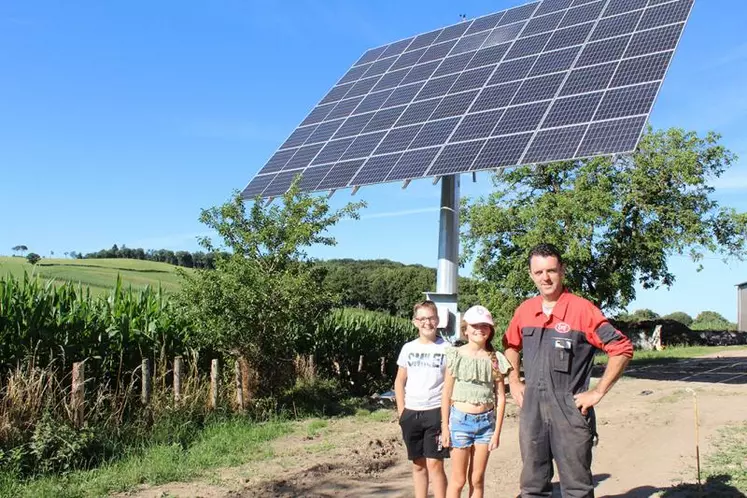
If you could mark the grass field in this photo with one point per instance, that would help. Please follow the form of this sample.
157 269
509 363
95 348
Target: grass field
99 275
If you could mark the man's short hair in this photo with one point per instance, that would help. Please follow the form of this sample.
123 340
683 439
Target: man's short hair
424 304
545 251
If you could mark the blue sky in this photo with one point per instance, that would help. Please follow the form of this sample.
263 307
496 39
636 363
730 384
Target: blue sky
120 120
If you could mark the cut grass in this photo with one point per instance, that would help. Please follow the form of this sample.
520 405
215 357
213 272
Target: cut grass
670 354
224 444
99 275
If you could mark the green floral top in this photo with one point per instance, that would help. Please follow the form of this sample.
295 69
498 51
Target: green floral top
474 378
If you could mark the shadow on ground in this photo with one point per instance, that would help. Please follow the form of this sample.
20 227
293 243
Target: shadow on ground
711 370
717 486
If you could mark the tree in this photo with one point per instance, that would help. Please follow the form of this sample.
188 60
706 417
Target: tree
615 220
266 294
20 248
643 314
680 316
710 320
33 258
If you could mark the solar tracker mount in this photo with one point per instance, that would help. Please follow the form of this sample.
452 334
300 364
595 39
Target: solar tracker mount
546 81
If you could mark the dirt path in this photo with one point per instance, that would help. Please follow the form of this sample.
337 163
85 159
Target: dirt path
647 444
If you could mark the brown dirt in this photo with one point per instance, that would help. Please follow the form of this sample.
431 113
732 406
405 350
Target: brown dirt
647 445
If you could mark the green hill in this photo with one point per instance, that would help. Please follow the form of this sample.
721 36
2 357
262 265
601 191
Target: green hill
98 274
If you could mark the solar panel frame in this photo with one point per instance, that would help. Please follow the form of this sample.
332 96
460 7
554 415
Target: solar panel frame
443 67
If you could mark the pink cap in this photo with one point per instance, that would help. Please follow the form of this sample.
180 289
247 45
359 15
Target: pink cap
478 314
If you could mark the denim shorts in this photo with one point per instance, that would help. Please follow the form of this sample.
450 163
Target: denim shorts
467 429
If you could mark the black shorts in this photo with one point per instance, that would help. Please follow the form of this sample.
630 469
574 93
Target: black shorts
421 431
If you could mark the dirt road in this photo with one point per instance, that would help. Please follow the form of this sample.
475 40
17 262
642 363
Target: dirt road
646 427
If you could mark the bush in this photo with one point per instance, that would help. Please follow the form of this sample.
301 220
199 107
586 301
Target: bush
679 316
33 258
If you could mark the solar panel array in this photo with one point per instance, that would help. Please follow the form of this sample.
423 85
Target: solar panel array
545 81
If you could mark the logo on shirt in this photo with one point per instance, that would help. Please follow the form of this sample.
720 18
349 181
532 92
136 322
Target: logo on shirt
429 360
563 328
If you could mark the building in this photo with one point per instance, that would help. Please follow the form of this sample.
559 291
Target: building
742 307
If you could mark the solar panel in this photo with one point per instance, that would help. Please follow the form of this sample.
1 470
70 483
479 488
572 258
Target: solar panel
549 80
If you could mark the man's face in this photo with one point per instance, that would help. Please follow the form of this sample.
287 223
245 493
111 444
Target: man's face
547 274
426 320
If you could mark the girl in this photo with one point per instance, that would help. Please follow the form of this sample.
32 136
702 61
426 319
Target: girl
473 403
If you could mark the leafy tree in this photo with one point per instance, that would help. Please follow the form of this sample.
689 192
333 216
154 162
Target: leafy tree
266 294
680 316
615 219
710 320
19 248
33 258
643 314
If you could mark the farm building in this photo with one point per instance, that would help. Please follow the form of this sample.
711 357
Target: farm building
742 307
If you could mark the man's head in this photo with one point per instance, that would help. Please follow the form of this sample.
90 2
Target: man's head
425 318
547 270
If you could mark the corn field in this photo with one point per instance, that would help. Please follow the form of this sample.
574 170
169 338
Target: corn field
64 323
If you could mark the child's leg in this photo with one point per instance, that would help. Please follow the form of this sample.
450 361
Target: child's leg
460 458
477 477
420 477
437 477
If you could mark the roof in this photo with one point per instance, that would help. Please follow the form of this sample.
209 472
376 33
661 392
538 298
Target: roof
743 284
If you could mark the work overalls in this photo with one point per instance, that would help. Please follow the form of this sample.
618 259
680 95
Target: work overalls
557 365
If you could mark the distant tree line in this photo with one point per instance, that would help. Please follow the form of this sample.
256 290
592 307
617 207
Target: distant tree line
706 320
185 259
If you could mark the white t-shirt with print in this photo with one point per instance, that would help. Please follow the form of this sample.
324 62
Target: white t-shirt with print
425 364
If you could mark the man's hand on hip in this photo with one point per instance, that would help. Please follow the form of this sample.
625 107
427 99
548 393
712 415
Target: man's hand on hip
517 391
587 400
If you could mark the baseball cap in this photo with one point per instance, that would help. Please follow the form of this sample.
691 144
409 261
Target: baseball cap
478 314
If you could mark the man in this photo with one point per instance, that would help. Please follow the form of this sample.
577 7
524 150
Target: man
559 332
418 388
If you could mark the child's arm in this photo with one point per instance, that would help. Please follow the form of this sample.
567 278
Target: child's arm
446 408
399 389
500 410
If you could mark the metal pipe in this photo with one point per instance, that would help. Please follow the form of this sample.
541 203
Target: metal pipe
448 236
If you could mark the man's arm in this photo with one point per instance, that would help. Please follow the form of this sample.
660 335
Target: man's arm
514 379
399 389
615 368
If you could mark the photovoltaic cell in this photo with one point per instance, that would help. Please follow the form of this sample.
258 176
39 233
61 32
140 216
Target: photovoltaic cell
583 13
555 144
572 110
454 105
549 80
501 151
398 139
434 133
666 14
340 174
494 97
552 6
607 137
456 158
654 40
484 23
478 125
376 169
413 164
627 101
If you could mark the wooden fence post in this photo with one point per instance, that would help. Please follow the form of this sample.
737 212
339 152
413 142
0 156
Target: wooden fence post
239 385
178 372
214 384
146 382
77 401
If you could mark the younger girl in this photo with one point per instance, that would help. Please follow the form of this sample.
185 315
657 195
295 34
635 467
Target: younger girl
473 403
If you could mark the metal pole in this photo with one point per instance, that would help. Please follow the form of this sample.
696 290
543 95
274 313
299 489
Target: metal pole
448 236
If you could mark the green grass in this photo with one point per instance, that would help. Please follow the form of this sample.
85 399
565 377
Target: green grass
100 275
670 354
315 426
222 445
724 472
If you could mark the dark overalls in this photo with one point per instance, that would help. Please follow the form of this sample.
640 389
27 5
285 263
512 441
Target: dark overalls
558 357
